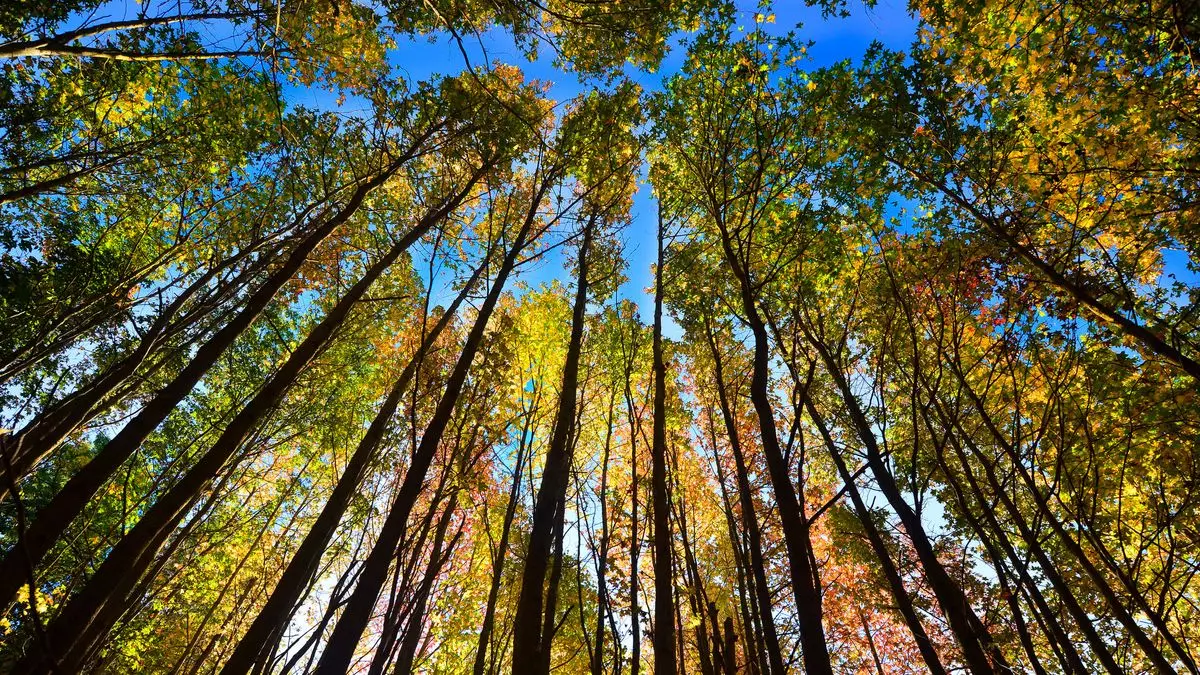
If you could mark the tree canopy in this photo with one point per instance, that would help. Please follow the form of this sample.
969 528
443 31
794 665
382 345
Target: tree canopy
599 337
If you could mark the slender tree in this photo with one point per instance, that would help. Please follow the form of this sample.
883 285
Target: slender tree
529 643
340 649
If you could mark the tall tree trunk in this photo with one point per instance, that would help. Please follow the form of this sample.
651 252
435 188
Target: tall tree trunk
72 499
751 629
273 616
549 616
602 604
416 619
131 436
882 555
635 544
664 583
801 561
528 640
1095 575
1097 643
47 431
730 654
973 637
402 587
339 650
1001 229
1066 652
89 616
697 597
489 616
749 517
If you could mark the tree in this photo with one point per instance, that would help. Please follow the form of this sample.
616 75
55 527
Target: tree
311 363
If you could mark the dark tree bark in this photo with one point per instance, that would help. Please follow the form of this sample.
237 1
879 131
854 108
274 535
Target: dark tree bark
762 596
882 555
982 654
91 613
489 616
804 575
1049 570
994 536
602 604
1098 579
402 588
70 501
635 544
274 615
416 619
1081 290
45 432
730 654
697 596
339 650
664 586
549 616
529 642
752 632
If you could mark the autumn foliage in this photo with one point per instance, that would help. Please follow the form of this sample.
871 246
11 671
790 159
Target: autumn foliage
727 363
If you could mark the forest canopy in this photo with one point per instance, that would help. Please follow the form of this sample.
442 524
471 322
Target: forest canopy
643 336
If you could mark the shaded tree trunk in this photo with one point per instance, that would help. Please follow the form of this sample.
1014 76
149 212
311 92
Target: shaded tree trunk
89 616
635 544
882 555
801 561
489 616
973 637
602 603
274 615
339 650
416 620
71 500
54 424
745 497
664 586
1099 581
529 640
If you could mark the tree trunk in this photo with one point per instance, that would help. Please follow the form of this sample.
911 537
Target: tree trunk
1095 641
489 616
339 650
72 499
635 544
58 421
801 561
274 615
549 616
882 555
165 401
89 616
749 517
528 640
602 606
664 585
1119 610
416 619
1068 655
976 643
